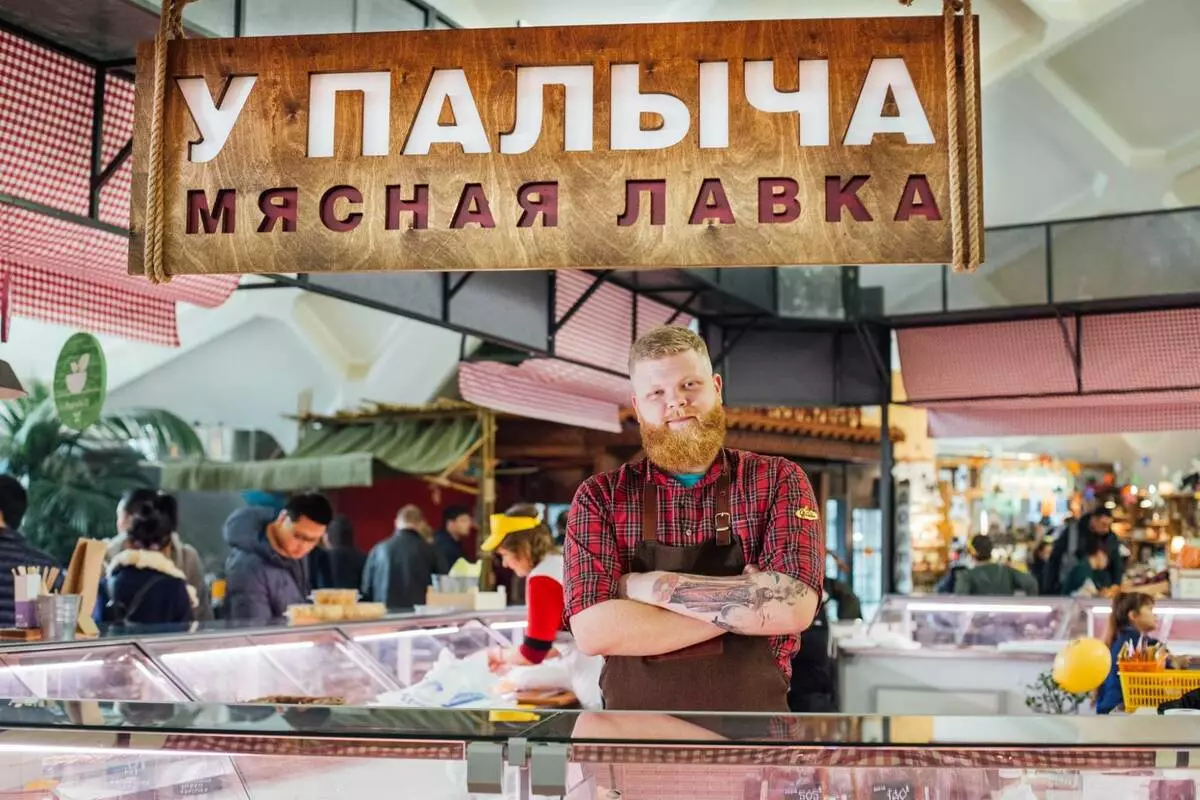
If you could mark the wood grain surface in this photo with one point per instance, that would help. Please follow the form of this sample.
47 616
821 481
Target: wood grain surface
267 150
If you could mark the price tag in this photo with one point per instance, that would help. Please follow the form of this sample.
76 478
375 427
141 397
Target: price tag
893 791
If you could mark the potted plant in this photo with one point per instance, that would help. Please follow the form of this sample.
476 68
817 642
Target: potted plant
1045 696
76 478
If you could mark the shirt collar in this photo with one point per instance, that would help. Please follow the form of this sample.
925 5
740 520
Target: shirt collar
657 475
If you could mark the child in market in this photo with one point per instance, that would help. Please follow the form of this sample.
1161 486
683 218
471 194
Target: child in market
1131 622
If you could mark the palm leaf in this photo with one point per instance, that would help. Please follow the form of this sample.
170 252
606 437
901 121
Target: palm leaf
169 435
75 478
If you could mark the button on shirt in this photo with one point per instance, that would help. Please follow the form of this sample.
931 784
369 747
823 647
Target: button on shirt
774 517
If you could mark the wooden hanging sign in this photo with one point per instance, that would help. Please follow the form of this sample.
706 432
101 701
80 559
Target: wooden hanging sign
700 144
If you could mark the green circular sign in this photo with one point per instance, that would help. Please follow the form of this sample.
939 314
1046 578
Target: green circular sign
80 381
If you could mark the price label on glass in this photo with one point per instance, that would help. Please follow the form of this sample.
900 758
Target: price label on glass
893 791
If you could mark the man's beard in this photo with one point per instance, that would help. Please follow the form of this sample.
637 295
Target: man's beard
689 449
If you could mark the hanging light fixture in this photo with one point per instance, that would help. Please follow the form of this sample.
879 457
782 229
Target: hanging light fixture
10 385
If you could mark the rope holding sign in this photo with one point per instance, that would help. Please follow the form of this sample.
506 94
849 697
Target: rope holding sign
170 27
966 245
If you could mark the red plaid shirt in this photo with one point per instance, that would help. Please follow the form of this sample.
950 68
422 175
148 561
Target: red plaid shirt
605 526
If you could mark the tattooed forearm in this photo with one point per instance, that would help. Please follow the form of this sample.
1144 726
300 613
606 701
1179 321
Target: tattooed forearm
741 604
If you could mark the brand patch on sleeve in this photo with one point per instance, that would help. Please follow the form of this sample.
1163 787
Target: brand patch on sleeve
809 514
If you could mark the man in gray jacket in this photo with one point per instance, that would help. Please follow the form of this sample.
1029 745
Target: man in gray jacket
267 568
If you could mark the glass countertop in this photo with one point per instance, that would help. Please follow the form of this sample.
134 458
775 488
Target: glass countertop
346 722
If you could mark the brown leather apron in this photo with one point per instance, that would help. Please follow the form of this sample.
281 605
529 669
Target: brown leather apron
728 673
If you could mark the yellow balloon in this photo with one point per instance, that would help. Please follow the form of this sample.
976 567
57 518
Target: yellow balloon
1082 665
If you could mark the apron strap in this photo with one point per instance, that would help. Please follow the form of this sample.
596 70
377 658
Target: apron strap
649 508
722 520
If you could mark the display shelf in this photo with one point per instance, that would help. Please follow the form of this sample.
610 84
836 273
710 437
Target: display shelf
357 662
206 750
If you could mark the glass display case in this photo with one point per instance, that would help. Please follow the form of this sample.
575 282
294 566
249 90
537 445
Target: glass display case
181 750
975 655
950 621
408 654
356 662
115 672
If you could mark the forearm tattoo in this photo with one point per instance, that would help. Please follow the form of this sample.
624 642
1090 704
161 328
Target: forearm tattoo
732 601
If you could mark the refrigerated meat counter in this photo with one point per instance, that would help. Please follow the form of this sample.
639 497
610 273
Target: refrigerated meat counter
358 662
974 655
99 750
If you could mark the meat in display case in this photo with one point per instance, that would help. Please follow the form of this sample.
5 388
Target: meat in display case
91 750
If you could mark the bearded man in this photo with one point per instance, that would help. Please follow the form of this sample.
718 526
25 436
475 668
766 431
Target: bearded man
693 571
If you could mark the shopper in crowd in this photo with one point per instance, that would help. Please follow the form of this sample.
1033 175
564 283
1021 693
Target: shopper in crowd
145 586
560 527
667 556
400 568
990 578
346 561
457 523
1130 623
185 557
1071 545
15 551
527 548
959 564
268 568
1090 576
1039 562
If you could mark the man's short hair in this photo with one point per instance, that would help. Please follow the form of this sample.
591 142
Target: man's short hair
13 501
410 517
454 512
1092 547
312 505
663 341
981 546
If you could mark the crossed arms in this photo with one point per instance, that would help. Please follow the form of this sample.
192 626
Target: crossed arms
654 613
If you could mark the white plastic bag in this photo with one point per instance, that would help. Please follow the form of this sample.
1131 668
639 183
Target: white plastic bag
452 683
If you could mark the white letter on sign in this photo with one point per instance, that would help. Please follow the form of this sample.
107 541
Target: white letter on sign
810 100
628 105
214 122
868 120
467 130
377 113
577 111
714 104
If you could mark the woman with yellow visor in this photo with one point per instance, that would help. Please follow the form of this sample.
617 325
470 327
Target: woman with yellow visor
527 548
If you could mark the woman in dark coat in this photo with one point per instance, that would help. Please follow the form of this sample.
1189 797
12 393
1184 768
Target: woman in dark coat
145 587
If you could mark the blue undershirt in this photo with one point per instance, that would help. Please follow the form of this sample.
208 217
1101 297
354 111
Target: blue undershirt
689 479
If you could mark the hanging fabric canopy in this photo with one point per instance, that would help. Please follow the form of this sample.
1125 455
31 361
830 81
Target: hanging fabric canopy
336 456
60 264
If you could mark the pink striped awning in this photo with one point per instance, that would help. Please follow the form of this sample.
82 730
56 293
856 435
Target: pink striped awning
1137 372
59 270
569 392
600 332
519 390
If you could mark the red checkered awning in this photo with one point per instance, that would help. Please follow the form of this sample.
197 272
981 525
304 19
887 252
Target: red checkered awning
1137 372
60 270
